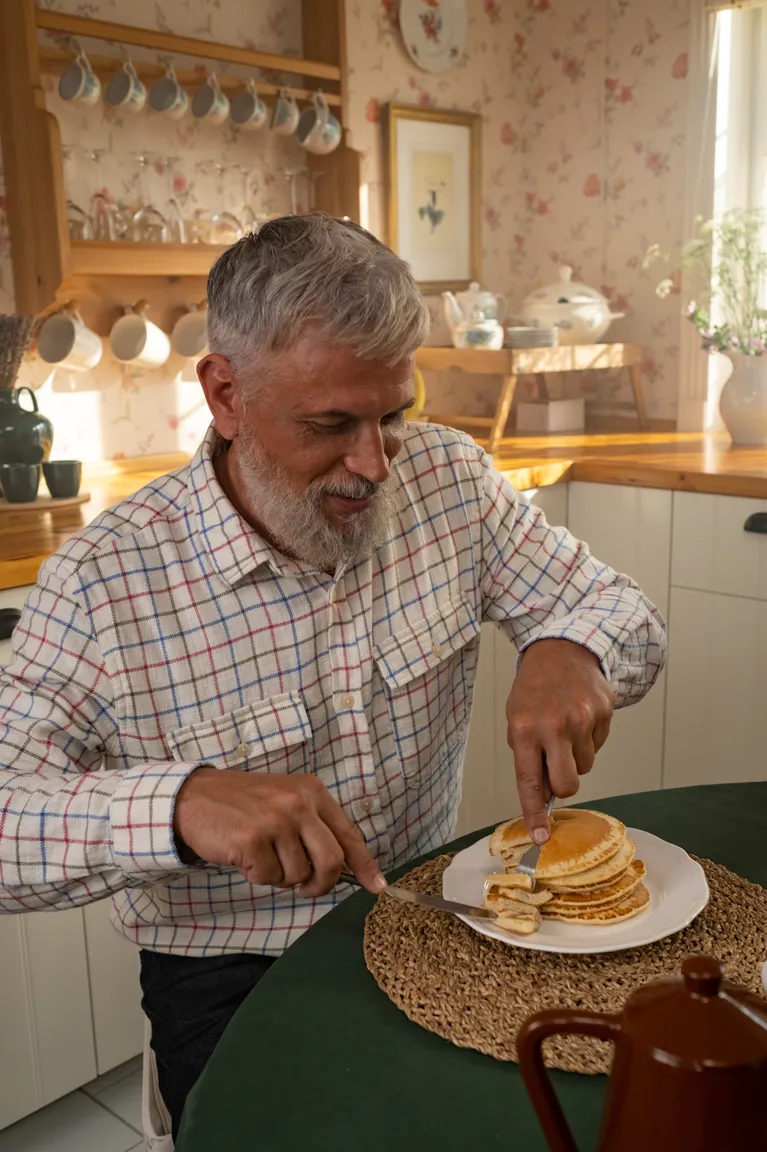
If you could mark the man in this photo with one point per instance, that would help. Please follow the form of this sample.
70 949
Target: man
259 668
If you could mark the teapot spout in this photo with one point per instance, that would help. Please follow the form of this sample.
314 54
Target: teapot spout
452 309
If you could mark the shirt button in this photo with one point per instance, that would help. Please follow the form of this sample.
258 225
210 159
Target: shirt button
437 651
347 700
365 806
243 749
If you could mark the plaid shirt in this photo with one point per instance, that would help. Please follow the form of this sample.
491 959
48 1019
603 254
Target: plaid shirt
169 634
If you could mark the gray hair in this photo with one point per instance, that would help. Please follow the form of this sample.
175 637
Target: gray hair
312 270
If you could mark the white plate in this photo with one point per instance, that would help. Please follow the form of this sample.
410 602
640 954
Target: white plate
677 886
434 32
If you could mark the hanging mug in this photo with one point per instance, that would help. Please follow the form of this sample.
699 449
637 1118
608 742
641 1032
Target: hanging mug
65 342
318 130
125 91
209 102
189 337
137 341
167 97
78 83
285 114
248 109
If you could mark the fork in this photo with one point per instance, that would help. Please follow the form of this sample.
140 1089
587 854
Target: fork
529 862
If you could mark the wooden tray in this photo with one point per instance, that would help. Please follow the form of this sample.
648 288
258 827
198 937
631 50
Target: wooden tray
45 503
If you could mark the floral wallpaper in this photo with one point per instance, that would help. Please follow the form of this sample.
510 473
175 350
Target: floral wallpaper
584 124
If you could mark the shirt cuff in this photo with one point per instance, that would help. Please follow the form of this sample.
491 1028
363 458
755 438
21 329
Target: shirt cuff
141 816
580 632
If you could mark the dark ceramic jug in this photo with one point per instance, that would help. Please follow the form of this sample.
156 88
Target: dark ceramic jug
25 437
690 1066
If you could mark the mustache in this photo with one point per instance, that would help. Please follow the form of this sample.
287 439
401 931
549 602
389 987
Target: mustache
350 487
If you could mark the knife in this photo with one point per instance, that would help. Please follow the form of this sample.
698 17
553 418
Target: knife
426 901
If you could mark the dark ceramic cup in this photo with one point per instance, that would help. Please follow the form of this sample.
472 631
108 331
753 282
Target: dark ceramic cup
20 482
63 477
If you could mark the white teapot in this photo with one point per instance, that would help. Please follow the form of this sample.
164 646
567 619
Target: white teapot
474 308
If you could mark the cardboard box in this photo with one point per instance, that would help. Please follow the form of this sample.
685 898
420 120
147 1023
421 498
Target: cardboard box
551 416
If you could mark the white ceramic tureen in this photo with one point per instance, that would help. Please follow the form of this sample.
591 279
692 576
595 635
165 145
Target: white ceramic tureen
581 314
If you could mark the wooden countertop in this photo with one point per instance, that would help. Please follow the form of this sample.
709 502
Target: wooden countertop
679 461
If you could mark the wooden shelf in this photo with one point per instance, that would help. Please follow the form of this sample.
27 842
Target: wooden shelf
529 361
83 26
131 258
55 60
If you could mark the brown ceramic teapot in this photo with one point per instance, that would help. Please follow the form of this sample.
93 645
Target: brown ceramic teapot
689 1071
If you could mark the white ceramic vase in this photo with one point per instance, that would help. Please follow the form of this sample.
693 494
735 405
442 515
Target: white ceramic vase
743 401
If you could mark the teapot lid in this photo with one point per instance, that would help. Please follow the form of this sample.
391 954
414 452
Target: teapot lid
566 291
698 1019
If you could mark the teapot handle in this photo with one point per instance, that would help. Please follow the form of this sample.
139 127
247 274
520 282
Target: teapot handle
32 396
554 1022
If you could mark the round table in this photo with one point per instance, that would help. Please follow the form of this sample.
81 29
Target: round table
318 1058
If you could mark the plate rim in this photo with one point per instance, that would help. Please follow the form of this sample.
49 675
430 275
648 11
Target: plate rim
443 62
578 950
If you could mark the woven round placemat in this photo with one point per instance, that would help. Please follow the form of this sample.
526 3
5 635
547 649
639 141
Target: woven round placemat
476 992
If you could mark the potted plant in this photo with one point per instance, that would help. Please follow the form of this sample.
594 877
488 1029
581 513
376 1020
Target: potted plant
723 273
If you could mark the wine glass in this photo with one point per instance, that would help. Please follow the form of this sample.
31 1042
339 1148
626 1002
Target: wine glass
171 208
313 176
291 175
224 227
79 223
148 224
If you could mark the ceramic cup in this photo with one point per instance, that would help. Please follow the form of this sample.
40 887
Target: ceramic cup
79 83
125 91
285 114
190 332
20 482
137 341
248 109
64 340
318 130
209 102
63 478
167 97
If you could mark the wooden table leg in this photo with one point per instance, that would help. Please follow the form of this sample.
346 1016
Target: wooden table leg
636 385
502 412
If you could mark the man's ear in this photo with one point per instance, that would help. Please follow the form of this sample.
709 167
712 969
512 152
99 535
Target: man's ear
222 393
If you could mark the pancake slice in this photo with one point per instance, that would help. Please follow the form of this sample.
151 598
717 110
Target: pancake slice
499 898
580 840
636 902
521 921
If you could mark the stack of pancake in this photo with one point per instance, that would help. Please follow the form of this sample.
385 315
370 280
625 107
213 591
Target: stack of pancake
586 873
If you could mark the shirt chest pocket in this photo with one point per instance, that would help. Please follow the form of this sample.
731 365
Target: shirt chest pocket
428 672
271 735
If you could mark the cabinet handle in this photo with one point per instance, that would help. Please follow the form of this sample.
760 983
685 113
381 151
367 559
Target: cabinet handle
9 618
756 522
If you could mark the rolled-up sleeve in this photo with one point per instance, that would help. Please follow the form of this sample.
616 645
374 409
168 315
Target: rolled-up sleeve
540 582
71 830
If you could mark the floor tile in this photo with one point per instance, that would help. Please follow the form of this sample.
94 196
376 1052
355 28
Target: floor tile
73 1124
124 1099
113 1077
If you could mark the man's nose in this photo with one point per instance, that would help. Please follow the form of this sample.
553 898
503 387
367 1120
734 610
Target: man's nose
368 457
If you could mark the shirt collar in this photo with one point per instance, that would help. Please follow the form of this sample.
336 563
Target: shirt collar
235 548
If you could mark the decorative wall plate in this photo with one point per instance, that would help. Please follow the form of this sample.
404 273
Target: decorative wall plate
434 32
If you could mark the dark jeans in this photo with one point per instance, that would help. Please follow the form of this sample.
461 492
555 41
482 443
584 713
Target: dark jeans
189 1001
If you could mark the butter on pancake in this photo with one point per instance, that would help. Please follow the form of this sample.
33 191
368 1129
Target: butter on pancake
580 841
599 877
604 897
630 906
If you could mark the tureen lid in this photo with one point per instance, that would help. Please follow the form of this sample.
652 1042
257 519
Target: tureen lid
566 291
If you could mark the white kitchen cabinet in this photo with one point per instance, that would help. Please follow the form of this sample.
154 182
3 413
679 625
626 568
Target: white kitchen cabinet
716 725
712 551
629 529
113 966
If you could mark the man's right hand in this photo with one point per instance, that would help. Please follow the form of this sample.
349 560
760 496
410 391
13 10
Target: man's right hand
275 830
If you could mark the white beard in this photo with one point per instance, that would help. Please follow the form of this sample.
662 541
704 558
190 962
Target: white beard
296 521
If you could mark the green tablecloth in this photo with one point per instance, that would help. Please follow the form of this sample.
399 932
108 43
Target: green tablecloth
317 1058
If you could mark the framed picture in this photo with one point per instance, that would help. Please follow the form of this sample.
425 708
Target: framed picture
434 179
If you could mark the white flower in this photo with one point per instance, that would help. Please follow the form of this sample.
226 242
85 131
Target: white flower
664 288
652 254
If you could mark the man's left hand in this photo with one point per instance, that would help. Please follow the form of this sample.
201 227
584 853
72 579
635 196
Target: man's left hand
560 706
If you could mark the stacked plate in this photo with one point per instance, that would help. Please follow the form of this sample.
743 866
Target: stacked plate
519 337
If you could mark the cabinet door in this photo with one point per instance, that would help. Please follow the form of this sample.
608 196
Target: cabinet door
47 1047
118 1022
716 731
712 551
629 529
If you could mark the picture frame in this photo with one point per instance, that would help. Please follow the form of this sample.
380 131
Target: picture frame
434 176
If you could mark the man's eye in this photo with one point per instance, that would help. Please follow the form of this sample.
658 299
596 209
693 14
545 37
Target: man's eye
330 428
394 419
